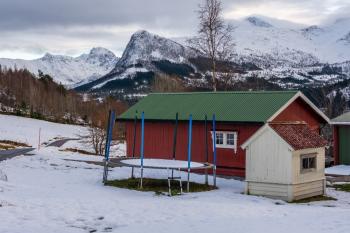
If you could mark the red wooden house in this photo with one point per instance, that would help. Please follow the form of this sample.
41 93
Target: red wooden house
238 116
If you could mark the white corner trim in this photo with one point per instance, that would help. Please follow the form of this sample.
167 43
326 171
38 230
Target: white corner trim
303 97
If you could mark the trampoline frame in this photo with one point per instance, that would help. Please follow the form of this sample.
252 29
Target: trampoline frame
206 165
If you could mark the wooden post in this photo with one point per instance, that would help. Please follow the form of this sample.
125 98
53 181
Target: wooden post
39 139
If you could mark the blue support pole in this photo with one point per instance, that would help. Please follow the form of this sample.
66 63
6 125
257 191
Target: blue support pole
214 150
109 134
189 152
142 144
110 125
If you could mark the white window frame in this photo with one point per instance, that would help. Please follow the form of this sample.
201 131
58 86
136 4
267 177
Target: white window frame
308 156
225 145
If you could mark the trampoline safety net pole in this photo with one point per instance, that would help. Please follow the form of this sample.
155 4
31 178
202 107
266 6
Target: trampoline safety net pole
206 147
142 144
189 153
214 151
134 143
174 142
110 125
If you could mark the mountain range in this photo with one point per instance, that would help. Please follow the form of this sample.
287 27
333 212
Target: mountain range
69 71
286 54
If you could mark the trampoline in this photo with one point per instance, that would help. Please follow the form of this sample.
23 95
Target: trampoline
163 164
167 164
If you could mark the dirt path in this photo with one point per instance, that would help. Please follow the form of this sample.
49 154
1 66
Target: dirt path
61 142
8 154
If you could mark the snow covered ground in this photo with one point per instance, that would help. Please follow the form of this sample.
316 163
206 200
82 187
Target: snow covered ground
26 130
342 170
46 193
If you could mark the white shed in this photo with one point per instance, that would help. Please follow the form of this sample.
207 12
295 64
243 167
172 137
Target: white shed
285 161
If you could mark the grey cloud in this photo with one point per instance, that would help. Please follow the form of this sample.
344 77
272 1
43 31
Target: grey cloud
21 14
72 26
24 14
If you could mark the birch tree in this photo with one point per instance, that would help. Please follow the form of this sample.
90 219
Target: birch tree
214 37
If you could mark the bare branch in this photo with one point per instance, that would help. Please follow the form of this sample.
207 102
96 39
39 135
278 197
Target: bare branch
214 37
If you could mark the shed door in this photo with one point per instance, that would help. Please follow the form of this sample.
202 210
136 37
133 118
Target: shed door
344 145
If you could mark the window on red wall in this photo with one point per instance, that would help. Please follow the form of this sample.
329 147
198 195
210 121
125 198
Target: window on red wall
226 139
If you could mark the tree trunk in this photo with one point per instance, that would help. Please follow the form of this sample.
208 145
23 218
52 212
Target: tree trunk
214 75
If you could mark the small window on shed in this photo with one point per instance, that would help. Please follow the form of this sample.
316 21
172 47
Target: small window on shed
308 162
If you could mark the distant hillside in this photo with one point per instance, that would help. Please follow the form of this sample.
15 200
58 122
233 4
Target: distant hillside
23 94
70 71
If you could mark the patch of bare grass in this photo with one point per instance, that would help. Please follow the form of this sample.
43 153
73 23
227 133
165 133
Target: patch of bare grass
8 144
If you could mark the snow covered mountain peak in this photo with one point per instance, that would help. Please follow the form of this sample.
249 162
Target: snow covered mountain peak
142 32
100 57
346 38
69 71
145 46
314 29
258 22
47 55
51 57
99 51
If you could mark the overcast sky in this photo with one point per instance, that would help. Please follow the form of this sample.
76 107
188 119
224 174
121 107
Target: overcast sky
29 28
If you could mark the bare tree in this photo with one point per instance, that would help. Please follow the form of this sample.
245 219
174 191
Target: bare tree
167 83
97 138
228 79
214 37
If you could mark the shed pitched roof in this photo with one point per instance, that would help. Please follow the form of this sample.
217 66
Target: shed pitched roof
343 119
299 136
252 106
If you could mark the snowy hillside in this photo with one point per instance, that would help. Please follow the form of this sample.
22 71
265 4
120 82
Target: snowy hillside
26 130
70 71
56 191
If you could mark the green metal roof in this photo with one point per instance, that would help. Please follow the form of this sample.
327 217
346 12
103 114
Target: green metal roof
342 119
228 106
